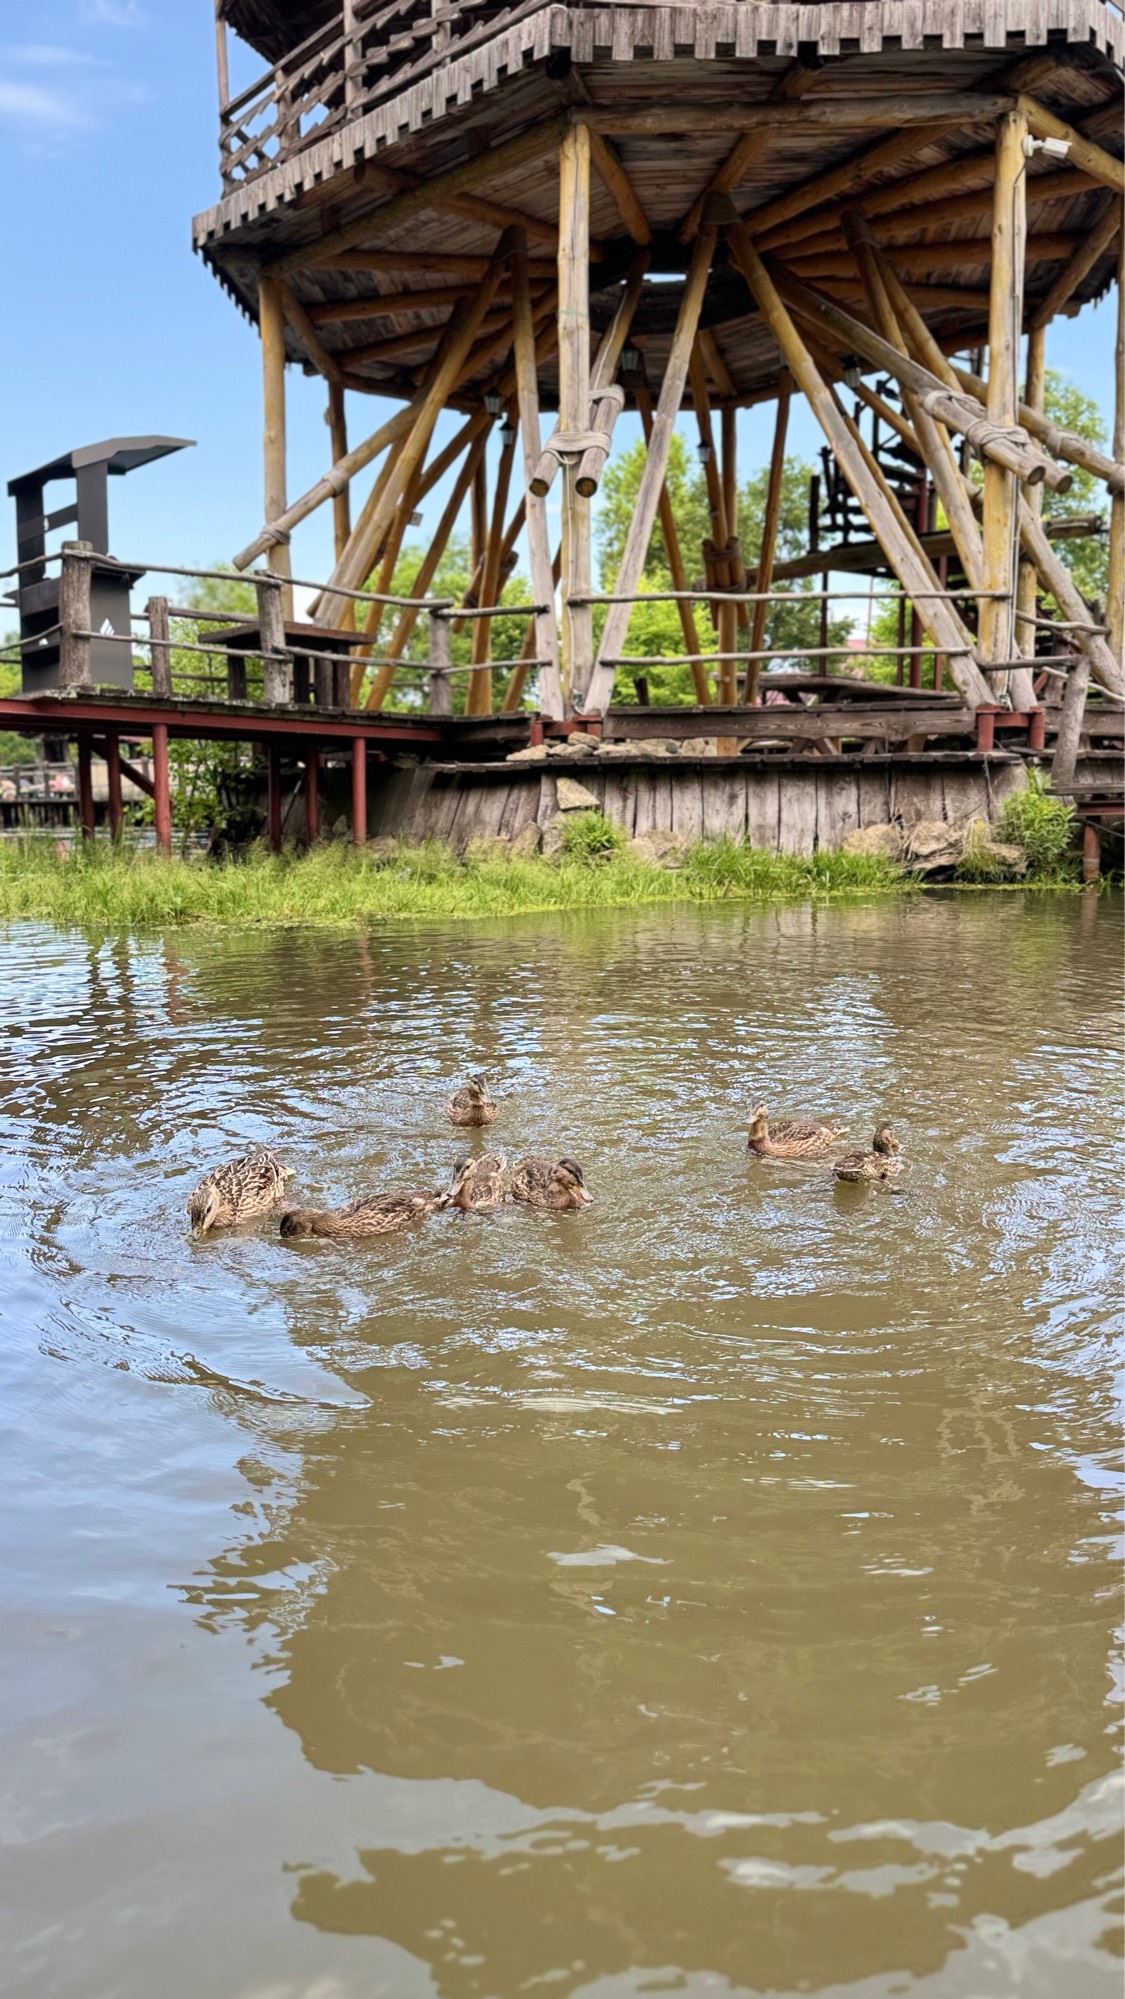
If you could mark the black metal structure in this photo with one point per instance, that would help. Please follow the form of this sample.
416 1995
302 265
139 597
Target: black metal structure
91 467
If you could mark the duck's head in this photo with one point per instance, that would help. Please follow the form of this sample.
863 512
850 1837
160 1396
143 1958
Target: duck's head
884 1140
204 1208
568 1174
457 1179
479 1090
759 1123
296 1222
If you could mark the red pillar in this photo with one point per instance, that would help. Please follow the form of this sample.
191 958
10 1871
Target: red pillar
312 794
917 633
161 787
359 791
273 796
85 788
1037 729
1091 851
113 779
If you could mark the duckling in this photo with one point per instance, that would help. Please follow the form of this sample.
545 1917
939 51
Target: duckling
238 1191
803 1139
878 1164
476 1183
377 1214
474 1104
542 1185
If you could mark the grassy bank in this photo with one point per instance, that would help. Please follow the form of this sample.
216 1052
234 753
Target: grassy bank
335 885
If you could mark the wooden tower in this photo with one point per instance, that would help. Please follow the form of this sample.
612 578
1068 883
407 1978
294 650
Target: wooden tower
537 215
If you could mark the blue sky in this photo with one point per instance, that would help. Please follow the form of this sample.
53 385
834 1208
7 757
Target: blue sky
108 146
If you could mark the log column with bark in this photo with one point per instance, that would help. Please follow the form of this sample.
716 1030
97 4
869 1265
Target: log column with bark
1005 321
574 404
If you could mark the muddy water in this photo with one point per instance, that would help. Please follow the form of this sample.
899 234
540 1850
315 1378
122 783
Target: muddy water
712 1591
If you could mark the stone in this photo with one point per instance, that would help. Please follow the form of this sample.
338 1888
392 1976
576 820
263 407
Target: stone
383 850
574 797
659 850
535 753
932 836
883 841
527 843
552 843
577 745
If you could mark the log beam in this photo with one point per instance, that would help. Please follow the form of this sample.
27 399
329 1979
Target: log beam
400 638
576 636
996 634
1079 265
545 634
271 320
1084 154
1115 587
607 164
600 690
768 551
667 517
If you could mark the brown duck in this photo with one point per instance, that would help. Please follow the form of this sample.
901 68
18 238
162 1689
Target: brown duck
472 1105
881 1163
542 1185
476 1183
377 1214
238 1191
799 1139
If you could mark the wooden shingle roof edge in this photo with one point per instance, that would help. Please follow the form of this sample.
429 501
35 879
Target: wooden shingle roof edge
657 33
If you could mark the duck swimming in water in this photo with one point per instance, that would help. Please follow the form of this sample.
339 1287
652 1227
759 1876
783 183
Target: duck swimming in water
377 1214
238 1191
476 1183
880 1163
799 1139
542 1185
472 1105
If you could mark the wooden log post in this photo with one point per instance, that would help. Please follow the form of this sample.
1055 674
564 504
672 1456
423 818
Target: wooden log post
159 647
162 787
341 501
359 791
420 584
74 613
1115 587
538 543
996 627
273 795
440 659
1071 716
312 793
115 807
1031 498
906 559
86 820
271 321
600 691
277 665
768 552
479 699
576 635
668 528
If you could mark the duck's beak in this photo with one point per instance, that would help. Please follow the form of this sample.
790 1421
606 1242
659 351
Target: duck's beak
584 1195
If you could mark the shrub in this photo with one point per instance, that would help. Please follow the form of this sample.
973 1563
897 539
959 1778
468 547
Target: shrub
1042 825
590 837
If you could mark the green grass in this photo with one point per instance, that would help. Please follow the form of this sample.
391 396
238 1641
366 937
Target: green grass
335 886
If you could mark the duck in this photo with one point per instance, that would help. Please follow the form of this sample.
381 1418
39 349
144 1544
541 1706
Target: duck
376 1214
473 1104
803 1138
542 1185
476 1183
238 1191
880 1163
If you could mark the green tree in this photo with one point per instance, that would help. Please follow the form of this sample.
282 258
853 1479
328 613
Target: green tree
655 628
451 579
14 749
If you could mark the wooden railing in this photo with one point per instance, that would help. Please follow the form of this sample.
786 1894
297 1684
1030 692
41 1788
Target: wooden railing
373 49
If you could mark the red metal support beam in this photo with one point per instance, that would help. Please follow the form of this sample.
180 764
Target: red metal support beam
162 787
1091 851
85 787
273 796
113 781
312 792
359 791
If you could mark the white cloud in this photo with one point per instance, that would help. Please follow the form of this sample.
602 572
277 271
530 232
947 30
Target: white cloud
44 110
113 13
47 55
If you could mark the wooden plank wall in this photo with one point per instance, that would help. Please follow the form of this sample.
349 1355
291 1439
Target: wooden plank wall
816 806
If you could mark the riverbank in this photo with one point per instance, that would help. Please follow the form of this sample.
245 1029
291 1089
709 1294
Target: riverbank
334 885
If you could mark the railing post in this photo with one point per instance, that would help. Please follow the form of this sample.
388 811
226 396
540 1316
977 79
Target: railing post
160 652
74 614
312 792
273 795
359 790
441 653
86 818
276 663
113 783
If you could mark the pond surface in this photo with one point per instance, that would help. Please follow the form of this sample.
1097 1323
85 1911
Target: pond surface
712 1591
